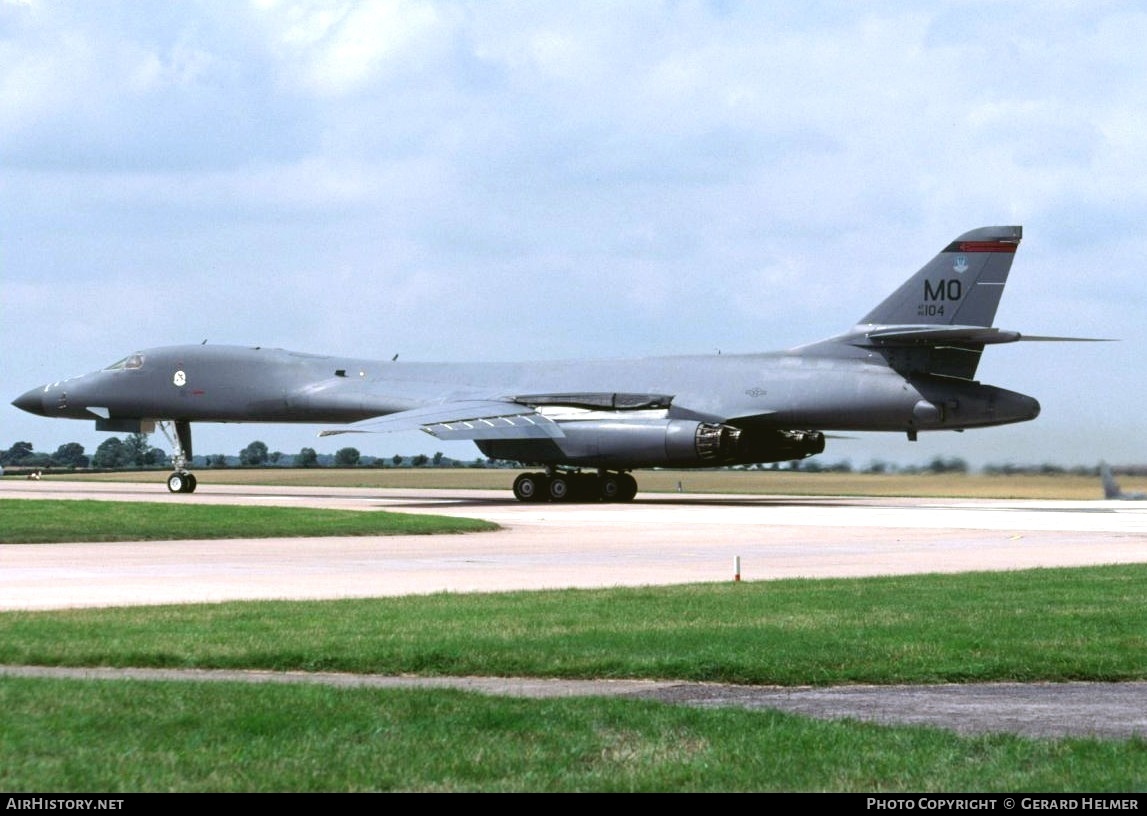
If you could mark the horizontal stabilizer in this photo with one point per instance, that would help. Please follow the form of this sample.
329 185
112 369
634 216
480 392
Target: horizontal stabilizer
1037 338
471 419
936 335
933 335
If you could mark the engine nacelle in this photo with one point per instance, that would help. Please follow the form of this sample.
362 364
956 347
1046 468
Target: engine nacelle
680 443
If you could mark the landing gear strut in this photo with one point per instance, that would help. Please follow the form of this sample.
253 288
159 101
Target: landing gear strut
563 486
182 480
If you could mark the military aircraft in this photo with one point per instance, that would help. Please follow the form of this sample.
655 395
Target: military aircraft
907 366
1111 489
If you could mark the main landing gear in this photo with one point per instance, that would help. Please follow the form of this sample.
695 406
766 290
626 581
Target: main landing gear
182 480
555 485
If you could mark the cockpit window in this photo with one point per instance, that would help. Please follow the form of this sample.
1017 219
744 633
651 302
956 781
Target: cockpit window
129 362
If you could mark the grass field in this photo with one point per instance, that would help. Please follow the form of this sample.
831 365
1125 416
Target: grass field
107 737
1049 625
59 520
779 482
135 735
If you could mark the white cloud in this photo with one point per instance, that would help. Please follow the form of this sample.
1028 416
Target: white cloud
335 48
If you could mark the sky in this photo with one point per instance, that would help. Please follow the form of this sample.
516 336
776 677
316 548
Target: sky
487 180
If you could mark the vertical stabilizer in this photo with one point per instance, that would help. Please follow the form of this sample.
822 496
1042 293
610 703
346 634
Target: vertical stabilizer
961 286
1110 486
933 324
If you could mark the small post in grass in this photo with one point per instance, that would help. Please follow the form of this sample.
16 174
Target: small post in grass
736 568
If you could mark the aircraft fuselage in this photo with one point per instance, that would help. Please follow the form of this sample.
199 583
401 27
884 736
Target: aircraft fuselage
249 384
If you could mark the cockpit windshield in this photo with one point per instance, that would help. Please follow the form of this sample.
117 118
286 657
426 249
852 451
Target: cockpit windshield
127 363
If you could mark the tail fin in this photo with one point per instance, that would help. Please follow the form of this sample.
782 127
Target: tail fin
1110 486
939 320
961 286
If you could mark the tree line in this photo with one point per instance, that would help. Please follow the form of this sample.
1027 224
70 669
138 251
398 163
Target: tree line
134 451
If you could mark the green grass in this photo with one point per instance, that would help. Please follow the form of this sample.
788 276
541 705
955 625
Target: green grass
133 735
1044 624
138 736
50 520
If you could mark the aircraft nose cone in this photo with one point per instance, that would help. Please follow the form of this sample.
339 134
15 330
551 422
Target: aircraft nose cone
32 401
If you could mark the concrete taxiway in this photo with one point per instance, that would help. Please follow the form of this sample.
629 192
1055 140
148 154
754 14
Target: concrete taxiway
657 540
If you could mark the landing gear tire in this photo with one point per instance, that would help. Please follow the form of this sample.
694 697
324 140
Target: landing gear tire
616 487
560 488
531 487
180 482
628 487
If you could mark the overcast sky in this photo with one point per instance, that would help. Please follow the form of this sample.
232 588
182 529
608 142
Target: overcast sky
548 180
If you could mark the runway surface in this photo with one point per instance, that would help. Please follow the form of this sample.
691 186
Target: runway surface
659 539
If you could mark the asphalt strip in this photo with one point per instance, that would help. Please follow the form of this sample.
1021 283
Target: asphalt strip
1044 710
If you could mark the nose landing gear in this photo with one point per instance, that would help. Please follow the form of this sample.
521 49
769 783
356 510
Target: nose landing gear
182 480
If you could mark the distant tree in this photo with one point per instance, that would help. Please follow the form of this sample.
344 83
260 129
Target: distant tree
254 454
136 450
347 457
307 458
110 454
217 460
952 465
420 460
397 459
276 457
16 454
438 459
70 454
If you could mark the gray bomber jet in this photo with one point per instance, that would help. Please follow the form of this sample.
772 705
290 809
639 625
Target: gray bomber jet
907 366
